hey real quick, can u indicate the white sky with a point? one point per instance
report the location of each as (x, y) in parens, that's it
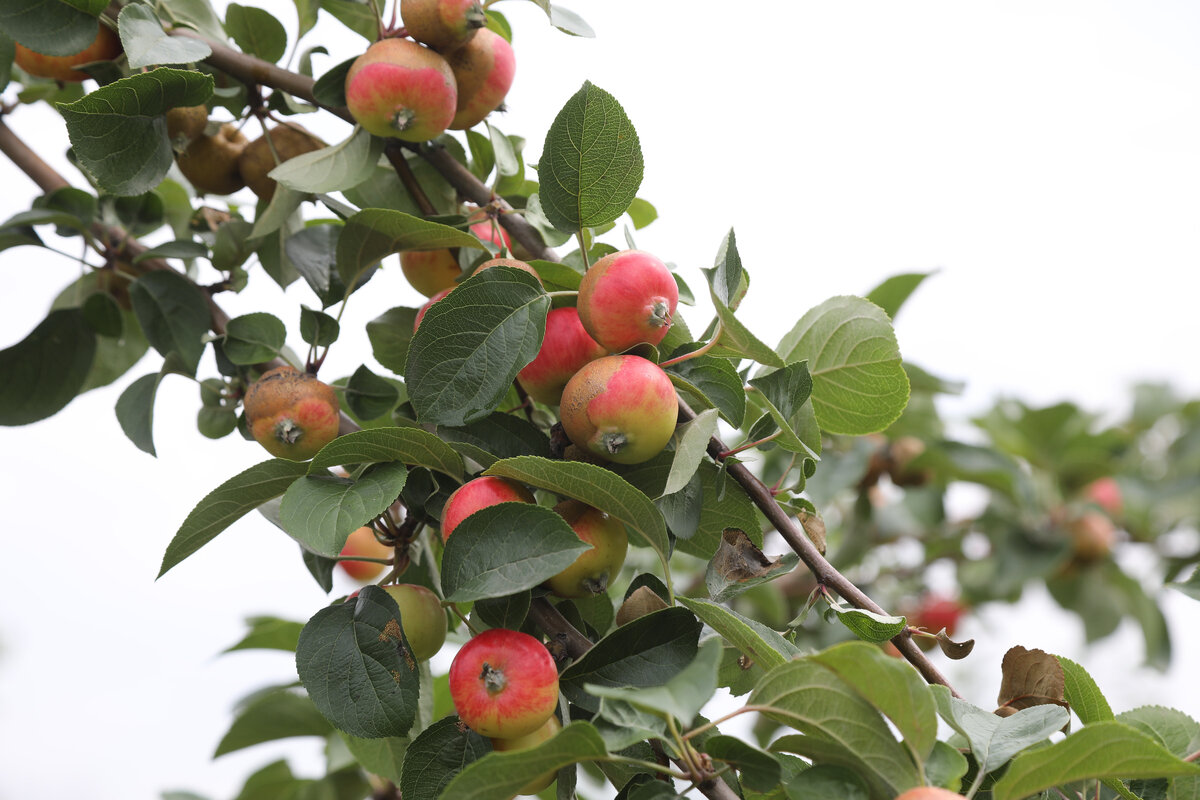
(1043, 156)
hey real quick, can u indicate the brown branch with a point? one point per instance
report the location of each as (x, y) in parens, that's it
(558, 628)
(395, 155)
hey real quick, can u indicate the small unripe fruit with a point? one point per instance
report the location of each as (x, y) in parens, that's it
(1106, 493)
(627, 298)
(527, 741)
(399, 88)
(210, 163)
(929, 793)
(480, 493)
(291, 413)
(257, 160)
(483, 71)
(442, 24)
(105, 47)
(186, 123)
(622, 408)
(504, 684)
(591, 573)
(423, 310)
(421, 616)
(362, 542)
(565, 349)
(1093, 536)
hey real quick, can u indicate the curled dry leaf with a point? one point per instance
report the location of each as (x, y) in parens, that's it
(953, 649)
(1030, 678)
(814, 528)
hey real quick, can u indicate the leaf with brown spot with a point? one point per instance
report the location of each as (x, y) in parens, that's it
(738, 564)
(1030, 678)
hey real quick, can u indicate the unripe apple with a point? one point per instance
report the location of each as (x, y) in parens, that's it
(627, 298)
(257, 160)
(211, 162)
(592, 571)
(362, 542)
(428, 305)
(504, 684)
(186, 123)
(527, 741)
(105, 47)
(291, 413)
(1092, 536)
(483, 70)
(566, 347)
(1106, 493)
(929, 793)
(622, 408)
(399, 88)
(433, 271)
(480, 493)
(442, 24)
(421, 616)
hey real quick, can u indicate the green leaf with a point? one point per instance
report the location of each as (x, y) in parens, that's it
(196, 14)
(254, 338)
(499, 776)
(595, 486)
(994, 740)
(756, 641)
(135, 411)
(320, 512)
(859, 384)
(825, 781)
(566, 20)
(737, 340)
(507, 162)
(1100, 750)
(815, 701)
(119, 134)
(713, 380)
(758, 769)
(497, 436)
(1083, 694)
(642, 212)
(390, 335)
(727, 279)
(412, 446)
(256, 31)
(680, 697)
(355, 15)
(277, 714)
(691, 444)
(891, 686)
(504, 612)
(724, 504)
(370, 396)
(330, 88)
(438, 754)
(173, 314)
(471, 344)
(146, 44)
(180, 248)
(103, 315)
(45, 370)
(358, 668)
(318, 328)
(506, 548)
(785, 392)
(333, 168)
(645, 652)
(374, 233)
(591, 164)
(1191, 586)
(228, 503)
(269, 633)
(868, 625)
(49, 26)
(892, 293)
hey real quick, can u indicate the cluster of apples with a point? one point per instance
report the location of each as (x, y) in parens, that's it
(454, 74)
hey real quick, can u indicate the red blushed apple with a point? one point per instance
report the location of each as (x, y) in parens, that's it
(527, 741)
(627, 298)
(399, 88)
(433, 271)
(362, 542)
(480, 493)
(421, 616)
(504, 684)
(622, 408)
(291, 413)
(594, 569)
(509, 262)
(565, 349)
(105, 47)
(1106, 493)
(929, 793)
(483, 70)
(935, 613)
(423, 310)
(1093, 536)
(442, 24)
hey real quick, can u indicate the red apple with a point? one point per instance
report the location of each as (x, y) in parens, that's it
(483, 70)
(399, 88)
(622, 408)
(423, 310)
(565, 349)
(592, 571)
(515, 263)
(105, 47)
(504, 684)
(627, 298)
(527, 741)
(421, 616)
(929, 793)
(442, 24)
(935, 613)
(362, 542)
(480, 493)
(1106, 493)
(291, 413)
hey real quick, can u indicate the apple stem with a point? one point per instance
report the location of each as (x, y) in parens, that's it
(493, 679)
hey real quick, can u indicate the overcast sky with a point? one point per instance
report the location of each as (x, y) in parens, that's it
(1044, 157)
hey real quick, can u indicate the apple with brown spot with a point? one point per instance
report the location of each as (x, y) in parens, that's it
(421, 616)
(565, 349)
(622, 408)
(480, 493)
(291, 413)
(504, 684)
(398, 88)
(627, 298)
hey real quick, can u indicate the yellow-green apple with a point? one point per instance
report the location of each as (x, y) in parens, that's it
(421, 616)
(627, 298)
(483, 70)
(399, 88)
(622, 408)
(105, 47)
(504, 684)
(291, 413)
(929, 793)
(592, 571)
(1092, 536)
(1106, 493)
(527, 741)
(258, 159)
(566, 347)
(442, 24)
(211, 162)
(433, 271)
(362, 542)
(480, 493)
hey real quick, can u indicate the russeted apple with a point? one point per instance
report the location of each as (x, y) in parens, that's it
(442, 24)
(257, 160)
(480, 493)
(433, 271)
(362, 542)
(185, 123)
(627, 298)
(291, 413)
(527, 741)
(621, 408)
(483, 71)
(565, 349)
(105, 47)
(210, 163)
(592, 572)
(421, 616)
(504, 684)
(399, 88)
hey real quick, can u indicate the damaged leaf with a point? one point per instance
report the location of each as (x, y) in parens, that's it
(1030, 678)
(738, 565)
